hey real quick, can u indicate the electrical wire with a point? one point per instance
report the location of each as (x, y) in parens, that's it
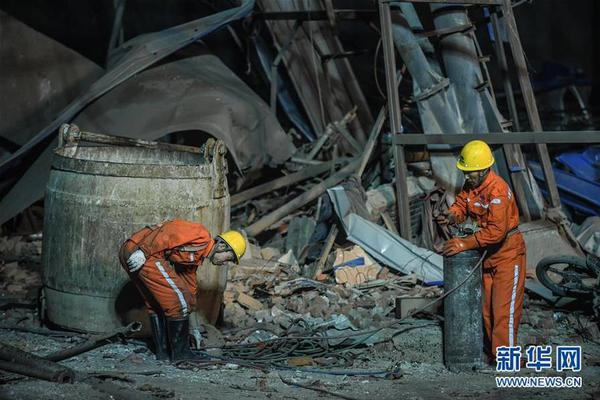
(272, 351)
(375, 74)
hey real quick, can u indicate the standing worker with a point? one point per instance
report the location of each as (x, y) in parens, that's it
(487, 199)
(162, 261)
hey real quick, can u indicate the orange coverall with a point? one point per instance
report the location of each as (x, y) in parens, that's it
(493, 206)
(173, 250)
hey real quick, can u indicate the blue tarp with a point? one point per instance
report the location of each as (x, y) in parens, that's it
(582, 194)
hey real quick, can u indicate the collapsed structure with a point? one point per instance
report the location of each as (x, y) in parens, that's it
(343, 251)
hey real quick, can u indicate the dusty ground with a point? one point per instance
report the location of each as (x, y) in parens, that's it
(129, 371)
(417, 353)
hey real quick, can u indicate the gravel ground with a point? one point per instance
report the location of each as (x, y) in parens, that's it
(417, 354)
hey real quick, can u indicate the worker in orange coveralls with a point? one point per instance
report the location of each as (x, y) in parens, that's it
(488, 200)
(162, 260)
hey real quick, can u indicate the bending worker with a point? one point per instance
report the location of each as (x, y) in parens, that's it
(162, 261)
(487, 199)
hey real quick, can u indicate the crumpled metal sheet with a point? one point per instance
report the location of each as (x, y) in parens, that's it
(141, 52)
(385, 246)
(394, 251)
(327, 90)
(192, 94)
(30, 100)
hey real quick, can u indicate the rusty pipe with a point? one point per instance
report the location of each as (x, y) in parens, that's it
(21, 362)
(95, 342)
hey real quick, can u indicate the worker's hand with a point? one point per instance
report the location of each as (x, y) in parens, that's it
(457, 245)
(136, 260)
(446, 218)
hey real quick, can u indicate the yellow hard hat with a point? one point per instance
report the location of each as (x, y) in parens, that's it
(236, 241)
(475, 156)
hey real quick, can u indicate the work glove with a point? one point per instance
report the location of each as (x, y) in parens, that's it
(136, 260)
(446, 218)
(457, 245)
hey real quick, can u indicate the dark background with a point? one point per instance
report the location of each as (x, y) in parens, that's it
(563, 32)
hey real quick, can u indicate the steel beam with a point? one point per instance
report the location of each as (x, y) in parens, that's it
(464, 2)
(529, 98)
(459, 139)
(317, 15)
(513, 153)
(275, 64)
(393, 100)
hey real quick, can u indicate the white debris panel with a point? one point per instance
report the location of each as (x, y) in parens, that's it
(388, 248)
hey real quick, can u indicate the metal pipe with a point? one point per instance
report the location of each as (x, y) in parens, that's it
(565, 137)
(94, 343)
(462, 65)
(276, 62)
(39, 373)
(366, 155)
(306, 173)
(438, 111)
(71, 134)
(301, 160)
(463, 325)
(320, 142)
(24, 363)
(329, 241)
(409, 12)
(301, 200)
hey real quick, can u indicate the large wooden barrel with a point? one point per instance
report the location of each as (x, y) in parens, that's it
(96, 197)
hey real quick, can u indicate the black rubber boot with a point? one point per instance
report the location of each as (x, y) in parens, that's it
(159, 336)
(178, 331)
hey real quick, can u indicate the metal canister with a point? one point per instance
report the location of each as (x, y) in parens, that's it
(463, 325)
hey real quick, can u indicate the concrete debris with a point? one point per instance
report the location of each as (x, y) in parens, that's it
(275, 296)
(299, 233)
(290, 287)
(16, 280)
(588, 235)
(21, 248)
(343, 241)
(248, 302)
(288, 258)
(269, 253)
(407, 305)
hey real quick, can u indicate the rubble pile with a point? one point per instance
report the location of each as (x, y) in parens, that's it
(21, 248)
(276, 295)
(17, 281)
(20, 275)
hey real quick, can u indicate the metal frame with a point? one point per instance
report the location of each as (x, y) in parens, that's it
(536, 137)
(530, 104)
(317, 15)
(393, 100)
(568, 137)
(465, 2)
(509, 140)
